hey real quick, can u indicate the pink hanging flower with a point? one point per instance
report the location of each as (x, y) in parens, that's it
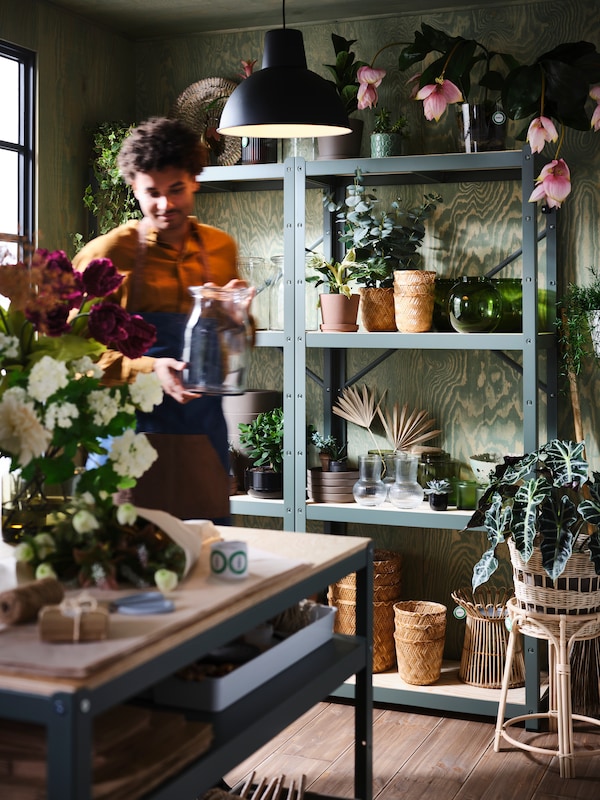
(553, 184)
(595, 95)
(369, 79)
(247, 66)
(415, 85)
(541, 130)
(436, 96)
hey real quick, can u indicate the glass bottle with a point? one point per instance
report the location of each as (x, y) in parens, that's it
(276, 295)
(406, 492)
(474, 305)
(217, 339)
(369, 489)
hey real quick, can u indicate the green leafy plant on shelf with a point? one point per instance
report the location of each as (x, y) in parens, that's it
(384, 124)
(575, 323)
(262, 439)
(107, 197)
(344, 72)
(381, 241)
(327, 445)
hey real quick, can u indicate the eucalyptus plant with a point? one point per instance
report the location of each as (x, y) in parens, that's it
(382, 240)
(543, 499)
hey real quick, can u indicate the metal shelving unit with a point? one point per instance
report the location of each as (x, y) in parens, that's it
(295, 177)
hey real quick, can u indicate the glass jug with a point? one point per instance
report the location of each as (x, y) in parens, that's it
(369, 489)
(217, 340)
(406, 492)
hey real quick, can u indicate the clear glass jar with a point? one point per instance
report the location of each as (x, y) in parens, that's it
(474, 305)
(257, 271)
(369, 489)
(406, 492)
(217, 340)
(276, 295)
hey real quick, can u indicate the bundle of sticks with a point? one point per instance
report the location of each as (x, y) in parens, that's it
(264, 789)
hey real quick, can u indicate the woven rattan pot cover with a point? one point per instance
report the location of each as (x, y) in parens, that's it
(200, 106)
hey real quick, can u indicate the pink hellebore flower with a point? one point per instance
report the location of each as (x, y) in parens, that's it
(595, 95)
(369, 79)
(553, 184)
(415, 85)
(541, 130)
(436, 96)
(248, 66)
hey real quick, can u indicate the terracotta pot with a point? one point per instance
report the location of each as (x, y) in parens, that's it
(339, 312)
(414, 293)
(345, 146)
(377, 309)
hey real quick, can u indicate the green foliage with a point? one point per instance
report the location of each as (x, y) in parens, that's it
(383, 241)
(328, 445)
(543, 499)
(573, 324)
(108, 198)
(344, 72)
(263, 439)
(336, 275)
(384, 124)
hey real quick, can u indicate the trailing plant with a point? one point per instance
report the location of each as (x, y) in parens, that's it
(107, 197)
(382, 241)
(262, 438)
(573, 322)
(544, 499)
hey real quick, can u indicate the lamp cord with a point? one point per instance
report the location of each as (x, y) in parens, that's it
(283, 11)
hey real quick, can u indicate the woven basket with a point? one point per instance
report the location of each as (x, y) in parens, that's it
(420, 633)
(377, 309)
(576, 591)
(384, 656)
(344, 591)
(414, 294)
(486, 639)
(387, 567)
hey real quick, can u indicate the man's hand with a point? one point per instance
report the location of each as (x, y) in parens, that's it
(168, 371)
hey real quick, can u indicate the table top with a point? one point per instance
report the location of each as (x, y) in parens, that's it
(277, 560)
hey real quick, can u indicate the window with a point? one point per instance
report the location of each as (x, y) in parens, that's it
(17, 137)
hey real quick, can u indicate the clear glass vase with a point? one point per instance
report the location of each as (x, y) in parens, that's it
(369, 489)
(406, 492)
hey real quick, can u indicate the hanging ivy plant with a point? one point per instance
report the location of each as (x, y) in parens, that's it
(107, 197)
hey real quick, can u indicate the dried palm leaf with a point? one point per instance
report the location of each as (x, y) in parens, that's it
(403, 430)
(358, 407)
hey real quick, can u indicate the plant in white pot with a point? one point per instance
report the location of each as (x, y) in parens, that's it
(546, 506)
(383, 241)
(262, 439)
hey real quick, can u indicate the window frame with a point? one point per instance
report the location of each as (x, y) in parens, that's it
(25, 148)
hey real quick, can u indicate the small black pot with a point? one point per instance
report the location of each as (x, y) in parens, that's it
(264, 483)
(438, 502)
(338, 466)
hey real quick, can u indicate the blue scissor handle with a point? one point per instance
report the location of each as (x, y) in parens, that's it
(143, 603)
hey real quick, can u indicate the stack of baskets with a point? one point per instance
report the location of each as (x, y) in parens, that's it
(420, 636)
(387, 577)
(486, 639)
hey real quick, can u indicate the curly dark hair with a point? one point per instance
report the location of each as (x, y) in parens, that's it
(158, 143)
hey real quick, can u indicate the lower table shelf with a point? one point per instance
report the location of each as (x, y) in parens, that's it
(449, 693)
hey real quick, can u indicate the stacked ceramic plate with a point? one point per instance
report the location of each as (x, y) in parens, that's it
(331, 487)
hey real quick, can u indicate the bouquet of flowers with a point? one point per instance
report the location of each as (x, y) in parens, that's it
(54, 324)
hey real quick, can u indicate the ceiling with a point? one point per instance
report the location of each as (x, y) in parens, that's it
(139, 19)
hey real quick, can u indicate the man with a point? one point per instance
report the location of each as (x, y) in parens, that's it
(162, 255)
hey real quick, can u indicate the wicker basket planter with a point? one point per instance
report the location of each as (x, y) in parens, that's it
(420, 634)
(387, 583)
(486, 639)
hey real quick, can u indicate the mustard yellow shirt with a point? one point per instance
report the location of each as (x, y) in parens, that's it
(209, 254)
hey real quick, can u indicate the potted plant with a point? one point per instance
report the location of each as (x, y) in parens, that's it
(332, 455)
(547, 507)
(262, 439)
(388, 136)
(339, 306)
(438, 491)
(344, 74)
(579, 320)
(383, 241)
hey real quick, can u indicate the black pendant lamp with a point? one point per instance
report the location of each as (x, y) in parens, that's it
(284, 99)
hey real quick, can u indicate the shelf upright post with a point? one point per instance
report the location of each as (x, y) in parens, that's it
(530, 305)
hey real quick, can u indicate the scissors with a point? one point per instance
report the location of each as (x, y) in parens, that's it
(143, 603)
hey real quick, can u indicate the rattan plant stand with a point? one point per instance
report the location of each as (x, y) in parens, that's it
(560, 631)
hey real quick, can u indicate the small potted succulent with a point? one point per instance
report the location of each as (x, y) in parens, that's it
(262, 439)
(388, 136)
(438, 492)
(331, 454)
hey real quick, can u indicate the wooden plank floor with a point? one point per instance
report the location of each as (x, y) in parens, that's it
(418, 755)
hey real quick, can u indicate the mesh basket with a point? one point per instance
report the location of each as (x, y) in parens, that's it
(384, 656)
(377, 309)
(486, 638)
(420, 633)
